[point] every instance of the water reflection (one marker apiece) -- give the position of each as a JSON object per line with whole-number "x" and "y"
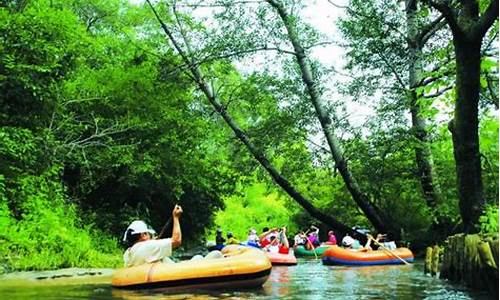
{"x": 308, "y": 280}
{"x": 279, "y": 281}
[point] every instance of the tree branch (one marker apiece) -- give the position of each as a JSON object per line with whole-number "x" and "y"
{"x": 211, "y": 58}
{"x": 220, "y": 5}
{"x": 393, "y": 71}
{"x": 438, "y": 93}
{"x": 448, "y": 13}
{"x": 487, "y": 19}
{"x": 431, "y": 28}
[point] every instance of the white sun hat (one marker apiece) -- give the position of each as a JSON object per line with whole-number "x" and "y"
{"x": 347, "y": 241}
{"x": 137, "y": 227}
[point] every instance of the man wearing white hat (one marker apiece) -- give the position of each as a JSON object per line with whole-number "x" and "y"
{"x": 144, "y": 249}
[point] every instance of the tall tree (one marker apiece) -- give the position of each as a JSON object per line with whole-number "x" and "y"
{"x": 208, "y": 91}
{"x": 394, "y": 45}
{"x": 416, "y": 39}
{"x": 312, "y": 86}
{"x": 469, "y": 21}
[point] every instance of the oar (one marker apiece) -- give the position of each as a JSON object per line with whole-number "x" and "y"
{"x": 162, "y": 232}
{"x": 391, "y": 252}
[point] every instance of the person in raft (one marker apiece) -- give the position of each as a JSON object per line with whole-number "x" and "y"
{"x": 384, "y": 242}
{"x": 219, "y": 239}
{"x": 267, "y": 235}
{"x": 300, "y": 239}
{"x": 279, "y": 243}
{"x": 231, "y": 240}
{"x": 332, "y": 239}
{"x": 144, "y": 249}
{"x": 313, "y": 235}
{"x": 253, "y": 238}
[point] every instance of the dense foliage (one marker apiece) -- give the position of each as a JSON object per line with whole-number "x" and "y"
{"x": 100, "y": 124}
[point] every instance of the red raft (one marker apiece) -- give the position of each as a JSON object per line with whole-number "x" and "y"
{"x": 340, "y": 256}
{"x": 282, "y": 259}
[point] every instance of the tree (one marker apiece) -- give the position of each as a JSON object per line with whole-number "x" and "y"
{"x": 361, "y": 199}
{"x": 387, "y": 44}
{"x": 212, "y": 97}
{"x": 469, "y": 21}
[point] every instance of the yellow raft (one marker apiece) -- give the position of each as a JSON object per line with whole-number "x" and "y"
{"x": 241, "y": 267}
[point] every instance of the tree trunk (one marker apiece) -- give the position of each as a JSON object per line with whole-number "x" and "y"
{"x": 464, "y": 129}
{"x": 369, "y": 209}
{"x": 423, "y": 154}
{"x": 468, "y": 27}
{"x": 257, "y": 154}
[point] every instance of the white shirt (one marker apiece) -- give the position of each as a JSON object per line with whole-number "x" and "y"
{"x": 299, "y": 240}
{"x": 148, "y": 252}
{"x": 253, "y": 238}
{"x": 273, "y": 248}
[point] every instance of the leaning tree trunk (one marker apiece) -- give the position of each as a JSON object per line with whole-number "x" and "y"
{"x": 423, "y": 154}
{"x": 464, "y": 129}
{"x": 369, "y": 209}
{"x": 257, "y": 154}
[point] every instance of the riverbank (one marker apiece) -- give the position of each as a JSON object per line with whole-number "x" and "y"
{"x": 67, "y": 276}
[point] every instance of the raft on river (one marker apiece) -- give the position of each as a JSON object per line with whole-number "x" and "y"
{"x": 241, "y": 267}
{"x": 339, "y": 256}
{"x": 317, "y": 252}
{"x": 282, "y": 259}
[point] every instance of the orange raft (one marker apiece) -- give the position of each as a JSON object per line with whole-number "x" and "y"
{"x": 339, "y": 256}
{"x": 241, "y": 267}
{"x": 282, "y": 259}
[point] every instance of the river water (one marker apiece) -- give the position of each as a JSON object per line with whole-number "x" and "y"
{"x": 308, "y": 280}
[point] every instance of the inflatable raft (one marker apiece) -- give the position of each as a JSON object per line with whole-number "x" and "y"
{"x": 302, "y": 251}
{"x": 282, "y": 259}
{"x": 241, "y": 267}
{"x": 336, "y": 255}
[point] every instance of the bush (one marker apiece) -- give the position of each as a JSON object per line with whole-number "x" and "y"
{"x": 40, "y": 228}
{"x": 488, "y": 222}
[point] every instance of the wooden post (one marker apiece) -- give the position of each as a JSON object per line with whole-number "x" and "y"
{"x": 428, "y": 260}
{"x": 489, "y": 267}
{"x": 435, "y": 260}
{"x": 470, "y": 259}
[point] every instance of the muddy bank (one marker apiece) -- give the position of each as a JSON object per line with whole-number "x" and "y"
{"x": 61, "y": 276}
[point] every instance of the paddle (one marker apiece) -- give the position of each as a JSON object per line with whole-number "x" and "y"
{"x": 164, "y": 229}
{"x": 390, "y": 251}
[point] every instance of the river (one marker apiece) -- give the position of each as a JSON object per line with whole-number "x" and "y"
{"x": 308, "y": 280}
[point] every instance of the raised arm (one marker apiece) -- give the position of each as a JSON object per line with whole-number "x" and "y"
{"x": 176, "y": 229}
{"x": 263, "y": 235}
{"x": 284, "y": 238}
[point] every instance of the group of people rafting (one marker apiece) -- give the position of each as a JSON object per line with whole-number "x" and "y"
{"x": 148, "y": 262}
{"x": 275, "y": 240}
{"x": 144, "y": 247}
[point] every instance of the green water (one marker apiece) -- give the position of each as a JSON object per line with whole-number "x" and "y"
{"x": 308, "y": 280}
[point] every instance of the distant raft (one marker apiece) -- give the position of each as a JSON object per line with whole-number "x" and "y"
{"x": 241, "y": 267}
{"x": 317, "y": 252}
{"x": 282, "y": 259}
{"x": 339, "y": 256}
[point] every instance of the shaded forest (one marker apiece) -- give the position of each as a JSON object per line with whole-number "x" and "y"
{"x": 116, "y": 110}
